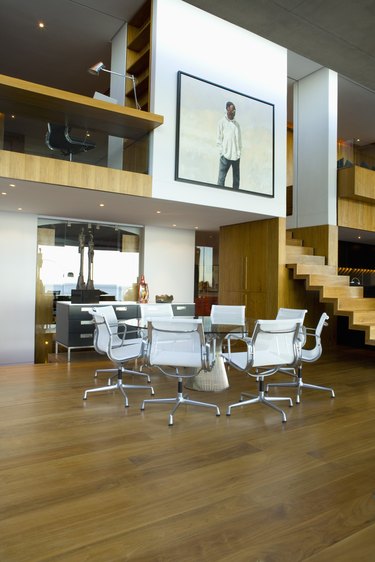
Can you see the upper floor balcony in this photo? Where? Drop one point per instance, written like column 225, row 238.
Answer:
column 119, row 137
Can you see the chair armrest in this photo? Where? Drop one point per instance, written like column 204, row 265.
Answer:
column 239, row 360
column 236, row 337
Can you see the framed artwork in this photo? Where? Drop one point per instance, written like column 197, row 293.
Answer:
column 224, row 139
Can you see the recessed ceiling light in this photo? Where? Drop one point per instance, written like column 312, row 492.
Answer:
column 19, row 209
column 158, row 212
column 41, row 25
column 174, row 224
column 196, row 227
column 12, row 185
column 12, row 116
column 101, row 204
column 359, row 237
column 3, row 193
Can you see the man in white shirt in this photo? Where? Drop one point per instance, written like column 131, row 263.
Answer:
column 229, row 143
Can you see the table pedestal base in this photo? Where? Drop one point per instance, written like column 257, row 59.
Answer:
column 215, row 380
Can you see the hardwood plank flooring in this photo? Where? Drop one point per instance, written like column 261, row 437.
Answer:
column 95, row 481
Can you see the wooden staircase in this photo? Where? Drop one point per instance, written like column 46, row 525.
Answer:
column 336, row 289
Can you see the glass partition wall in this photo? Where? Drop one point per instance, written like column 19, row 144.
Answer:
column 75, row 255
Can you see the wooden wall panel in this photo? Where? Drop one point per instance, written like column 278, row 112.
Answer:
column 73, row 174
column 249, row 265
column 356, row 214
column 356, row 182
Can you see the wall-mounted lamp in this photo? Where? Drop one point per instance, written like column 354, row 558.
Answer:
column 96, row 68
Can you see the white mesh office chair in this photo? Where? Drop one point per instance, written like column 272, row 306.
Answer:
column 120, row 355
column 274, row 343
column 233, row 315
column 156, row 310
column 308, row 356
column 294, row 314
column 149, row 311
column 118, row 332
column 179, row 350
column 228, row 315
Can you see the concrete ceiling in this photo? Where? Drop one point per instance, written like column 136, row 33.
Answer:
column 339, row 35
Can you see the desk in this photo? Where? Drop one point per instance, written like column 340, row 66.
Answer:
column 215, row 380
column 50, row 104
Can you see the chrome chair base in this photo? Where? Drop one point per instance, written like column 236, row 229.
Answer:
column 119, row 385
column 178, row 400
column 262, row 399
column 299, row 385
column 126, row 371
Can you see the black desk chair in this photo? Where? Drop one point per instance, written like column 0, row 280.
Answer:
column 58, row 138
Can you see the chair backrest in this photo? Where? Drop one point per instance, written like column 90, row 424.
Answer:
column 55, row 138
column 106, row 325
column 102, row 334
column 176, row 344
column 275, row 343
column 58, row 138
column 106, row 339
column 228, row 314
column 291, row 313
column 156, row 310
column 294, row 314
column 313, row 354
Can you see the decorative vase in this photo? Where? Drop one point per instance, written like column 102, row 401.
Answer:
column 143, row 290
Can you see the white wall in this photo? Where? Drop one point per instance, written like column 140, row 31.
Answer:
column 190, row 40
column 169, row 263
column 18, row 246
column 315, row 150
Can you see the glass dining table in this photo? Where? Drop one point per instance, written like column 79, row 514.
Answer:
column 216, row 379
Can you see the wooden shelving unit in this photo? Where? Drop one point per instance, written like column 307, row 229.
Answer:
column 138, row 63
column 138, row 56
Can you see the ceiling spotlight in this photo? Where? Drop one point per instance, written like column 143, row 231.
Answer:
column 100, row 66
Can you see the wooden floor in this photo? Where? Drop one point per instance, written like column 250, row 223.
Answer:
column 93, row 481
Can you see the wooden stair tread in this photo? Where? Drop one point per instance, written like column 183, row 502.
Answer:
column 330, row 292
column 316, row 280
column 363, row 316
column 299, row 250
column 350, row 304
column 294, row 242
column 306, row 259
column 308, row 269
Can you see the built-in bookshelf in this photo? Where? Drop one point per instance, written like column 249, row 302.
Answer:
column 138, row 56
